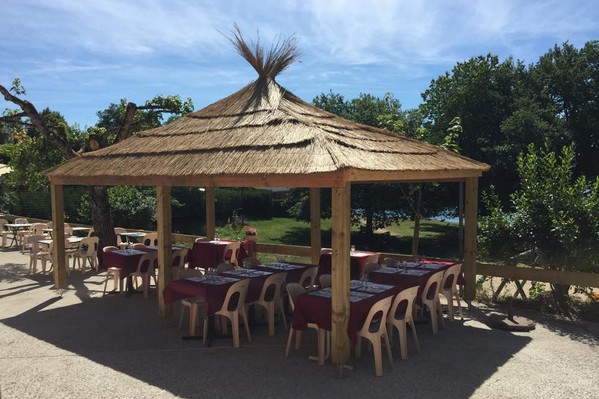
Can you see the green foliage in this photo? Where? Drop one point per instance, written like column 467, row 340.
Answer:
column 554, row 213
column 247, row 203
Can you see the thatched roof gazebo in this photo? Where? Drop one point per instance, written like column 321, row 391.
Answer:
column 263, row 135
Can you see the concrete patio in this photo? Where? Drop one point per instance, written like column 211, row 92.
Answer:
column 76, row 344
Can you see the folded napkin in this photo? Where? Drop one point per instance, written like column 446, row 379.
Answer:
column 325, row 292
column 414, row 272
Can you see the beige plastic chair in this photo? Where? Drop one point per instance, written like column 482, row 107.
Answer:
column 35, row 229
column 374, row 330
column 449, row 289
column 68, row 230
column 224, row 267
column 87, row 251
column 150, row 239
column 325, row 280
column 251, row 262
column 271, row 298
column 373, row 258
column 193, row 304
column 68, row 252
column 178, row 260
column 119, row 241
column 399, row 321
column 113, row 273
column 145, row 270
column 21, row 221
column 308, row 277
column 234, row 249
column 369, row 267
column 430, row 299
column 233, row 311
column 90, row 232
column 294, row 290
column 36, row 253
column 4, row 231
column 390, row 262
column 21, row 234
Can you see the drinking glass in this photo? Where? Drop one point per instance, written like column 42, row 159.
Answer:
column 353, row 249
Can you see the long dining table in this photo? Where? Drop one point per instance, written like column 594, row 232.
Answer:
column 209, row 253
column 357, row 262
column 315, row 306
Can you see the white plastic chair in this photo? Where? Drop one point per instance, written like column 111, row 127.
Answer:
column 150, row 239
column 449, row 289
column 87, row 251
column 232, row 312
column 374, row 330
column 145, row 270
column 36, row 253
column 112, row 272
column 193, row 303
column 430, row 299
column 119, row 241
column 399, row 321
column 308, row 277
column 271, row 298
column 234, row 249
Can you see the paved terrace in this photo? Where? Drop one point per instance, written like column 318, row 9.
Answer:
column 78, row 344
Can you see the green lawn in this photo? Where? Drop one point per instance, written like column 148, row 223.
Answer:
column 437, row 238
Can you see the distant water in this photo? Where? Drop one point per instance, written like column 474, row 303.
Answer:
column 447, row 219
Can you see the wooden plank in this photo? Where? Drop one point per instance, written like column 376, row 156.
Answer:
column 165, row 244
column 315, row 238
column 59, row 258
column 340, row 237
column 210, row 213
column 370, row 176
column 539, row 274
column 295, row 250
column 471, row 216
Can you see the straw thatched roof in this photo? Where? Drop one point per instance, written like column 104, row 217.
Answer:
column 262, row 129
column 264, row 135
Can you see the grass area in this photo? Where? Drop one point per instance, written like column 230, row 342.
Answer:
column 437, row 239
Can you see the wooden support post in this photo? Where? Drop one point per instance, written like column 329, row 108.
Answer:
column 416, row 236
column 210, row 213
column 315, row 234
column 340, row 232
column 165, row 244
column 471, row 216
column 58, row 257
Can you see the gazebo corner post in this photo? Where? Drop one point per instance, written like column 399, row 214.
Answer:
column 470, row 231
column 165, row 244
column 58, row 255
column 210, row 213
column 315, row 229
column 340, row 306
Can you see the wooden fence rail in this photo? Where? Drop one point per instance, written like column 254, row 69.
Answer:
column 488, row 269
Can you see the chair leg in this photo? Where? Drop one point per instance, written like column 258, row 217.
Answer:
column 457, row 297
column 289, row 340
column 270, row 310
column 403, row 340
column 432, row 307
column 378, row 361
column 205, row 332
column 193, row 314
column 244, row 316
column 282, row 313
column 413, row 326
column 235, row 329
column 298, row 339
column 388, row 346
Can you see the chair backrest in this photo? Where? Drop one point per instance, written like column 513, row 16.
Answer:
column 68, row 229
column 150, row 239
column 90, row 245
column 2, row 223
column 373, row 258
column 235, row 298
column 90, row 232
column 308, row 277
column 38, row 228
column 224, row 267
column 407, row 296
column 34, row 241
column 294, row 290
column 110, row 248
column 390, row 262
column 369, row 267
column 251, row 262
column 325, row 280
column 117, row 232
column 380, row 308
column 179, row 257
column 21, row 220
column 431, row 289
column 450, row 278
column 147, row 262
column 232, row 249
column 201, row 239
column 138, row 245
column 272, row 287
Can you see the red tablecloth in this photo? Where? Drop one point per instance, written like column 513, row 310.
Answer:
column 206, row 254
column 310, row 308
column 214, row 294
column 357, row 263
column 124, row 259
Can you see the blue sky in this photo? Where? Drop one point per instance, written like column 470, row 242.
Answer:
column 77, row 57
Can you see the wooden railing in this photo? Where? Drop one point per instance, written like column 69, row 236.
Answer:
column 488, row 269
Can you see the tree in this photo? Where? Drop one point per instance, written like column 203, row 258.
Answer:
column 553, row 213
column 134, row 118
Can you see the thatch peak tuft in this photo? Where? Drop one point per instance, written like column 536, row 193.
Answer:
column 268, row 64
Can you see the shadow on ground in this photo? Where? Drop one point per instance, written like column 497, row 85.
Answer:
column 126, row 335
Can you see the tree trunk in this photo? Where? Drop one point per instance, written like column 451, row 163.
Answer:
column 102, row 217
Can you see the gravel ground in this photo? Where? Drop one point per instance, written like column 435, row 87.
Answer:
column 78, row 344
